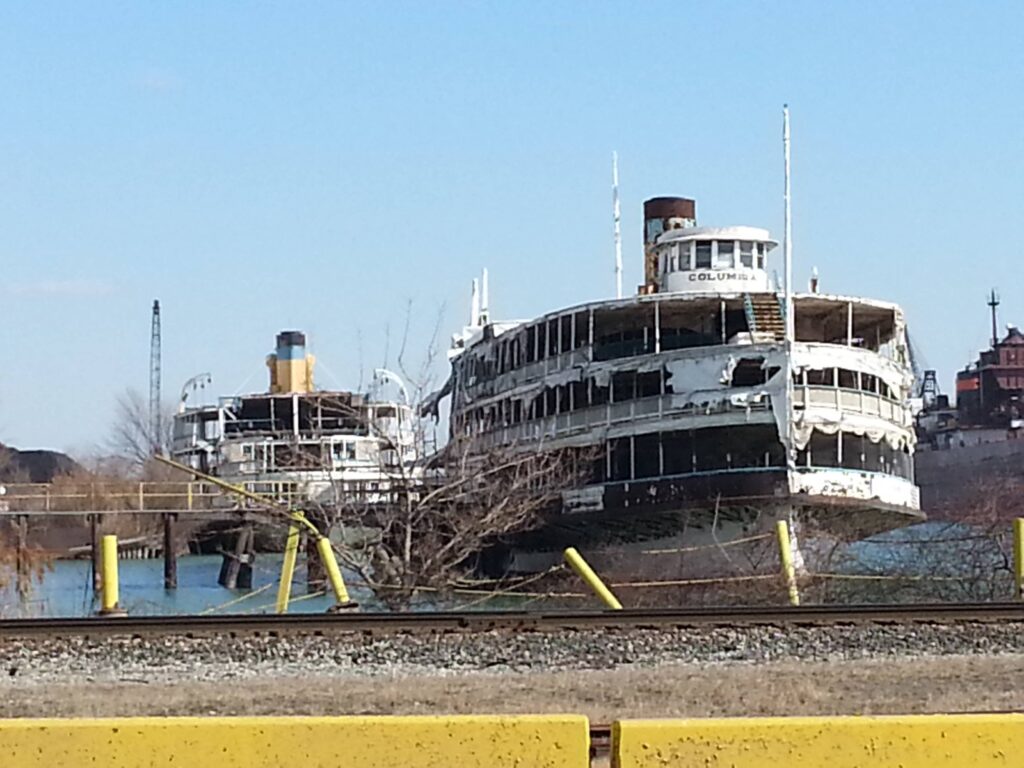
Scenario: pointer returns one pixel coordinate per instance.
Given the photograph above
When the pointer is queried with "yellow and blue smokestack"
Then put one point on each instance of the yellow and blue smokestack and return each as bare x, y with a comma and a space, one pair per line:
291, 368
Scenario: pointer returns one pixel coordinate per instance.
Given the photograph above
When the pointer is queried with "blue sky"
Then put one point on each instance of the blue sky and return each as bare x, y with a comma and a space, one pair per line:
318, 165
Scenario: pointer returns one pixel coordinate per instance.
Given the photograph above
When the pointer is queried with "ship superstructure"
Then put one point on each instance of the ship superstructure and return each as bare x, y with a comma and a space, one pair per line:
328, 446
697, 408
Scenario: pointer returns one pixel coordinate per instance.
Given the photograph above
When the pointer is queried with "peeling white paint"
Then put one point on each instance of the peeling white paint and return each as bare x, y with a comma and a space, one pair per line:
866, 486
821, 357
699, 391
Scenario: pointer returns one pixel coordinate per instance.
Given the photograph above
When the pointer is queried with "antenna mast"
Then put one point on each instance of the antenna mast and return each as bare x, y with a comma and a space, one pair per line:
788, 235
485, 308
993, 302
155, 425
618, 233
474, 306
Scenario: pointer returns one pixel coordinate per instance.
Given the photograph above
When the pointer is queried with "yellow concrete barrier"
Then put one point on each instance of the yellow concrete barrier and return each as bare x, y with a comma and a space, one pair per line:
920, 741
555, 741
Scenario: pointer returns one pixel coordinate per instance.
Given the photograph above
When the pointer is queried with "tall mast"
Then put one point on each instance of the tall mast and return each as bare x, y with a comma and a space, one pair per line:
618, 233
155, 425
788, 251
485, 311
993, 302
788, 234
474, 305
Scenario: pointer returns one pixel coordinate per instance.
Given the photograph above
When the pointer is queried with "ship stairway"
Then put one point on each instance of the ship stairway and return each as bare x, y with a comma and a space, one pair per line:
765, 314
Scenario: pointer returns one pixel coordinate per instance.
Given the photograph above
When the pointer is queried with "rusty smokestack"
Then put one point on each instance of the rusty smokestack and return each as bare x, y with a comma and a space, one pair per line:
660, 215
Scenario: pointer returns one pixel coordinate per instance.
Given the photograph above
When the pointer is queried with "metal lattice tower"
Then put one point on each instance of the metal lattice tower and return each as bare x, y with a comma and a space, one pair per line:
155, 425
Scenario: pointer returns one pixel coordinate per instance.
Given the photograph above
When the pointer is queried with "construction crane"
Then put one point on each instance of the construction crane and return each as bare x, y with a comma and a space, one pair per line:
155, 421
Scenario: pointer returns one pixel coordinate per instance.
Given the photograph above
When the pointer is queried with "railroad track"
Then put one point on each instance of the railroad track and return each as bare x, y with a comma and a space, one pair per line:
483, 621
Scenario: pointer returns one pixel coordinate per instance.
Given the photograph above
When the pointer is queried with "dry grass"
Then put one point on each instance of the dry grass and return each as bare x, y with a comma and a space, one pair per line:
906, 686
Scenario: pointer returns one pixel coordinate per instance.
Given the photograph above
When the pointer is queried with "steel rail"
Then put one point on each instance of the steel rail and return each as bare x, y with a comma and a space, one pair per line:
483, 621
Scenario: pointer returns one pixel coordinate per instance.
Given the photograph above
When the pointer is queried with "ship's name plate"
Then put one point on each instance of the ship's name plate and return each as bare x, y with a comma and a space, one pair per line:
718, 280
697, 277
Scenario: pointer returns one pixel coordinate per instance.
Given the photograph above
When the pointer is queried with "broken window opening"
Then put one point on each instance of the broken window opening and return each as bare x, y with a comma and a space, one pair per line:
749, 372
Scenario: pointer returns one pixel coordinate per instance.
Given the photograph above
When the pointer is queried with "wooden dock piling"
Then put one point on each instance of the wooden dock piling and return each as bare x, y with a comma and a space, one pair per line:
94, 550
236, 570
170, 553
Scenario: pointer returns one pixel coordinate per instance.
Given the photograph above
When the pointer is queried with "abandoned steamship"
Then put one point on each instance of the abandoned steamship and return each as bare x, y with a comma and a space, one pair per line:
710, 424
300, 443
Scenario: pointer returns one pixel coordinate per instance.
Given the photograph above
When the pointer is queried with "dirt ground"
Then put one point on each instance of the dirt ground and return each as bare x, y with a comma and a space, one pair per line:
905, 686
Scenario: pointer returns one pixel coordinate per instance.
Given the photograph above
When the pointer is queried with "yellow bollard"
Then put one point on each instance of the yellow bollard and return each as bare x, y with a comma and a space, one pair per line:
323, 546
1018, 555
291, 551
585, 572
786, 556
110, 597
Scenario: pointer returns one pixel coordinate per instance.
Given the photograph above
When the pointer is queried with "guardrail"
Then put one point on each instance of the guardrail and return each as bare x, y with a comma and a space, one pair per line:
81, 498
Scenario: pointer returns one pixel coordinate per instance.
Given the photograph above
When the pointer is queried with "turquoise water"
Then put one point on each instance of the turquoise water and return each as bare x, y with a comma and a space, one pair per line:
66, 590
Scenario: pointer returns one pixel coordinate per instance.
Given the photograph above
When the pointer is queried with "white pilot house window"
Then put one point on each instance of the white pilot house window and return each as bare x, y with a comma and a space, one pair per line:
723, 256
703, 256
747, 254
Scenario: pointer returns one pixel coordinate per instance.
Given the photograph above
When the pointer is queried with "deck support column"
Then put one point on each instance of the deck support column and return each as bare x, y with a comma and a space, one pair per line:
657, 328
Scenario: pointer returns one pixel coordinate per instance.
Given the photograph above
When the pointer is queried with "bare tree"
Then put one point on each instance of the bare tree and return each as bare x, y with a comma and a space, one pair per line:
430, 513
132, 435
431, 528
19, 562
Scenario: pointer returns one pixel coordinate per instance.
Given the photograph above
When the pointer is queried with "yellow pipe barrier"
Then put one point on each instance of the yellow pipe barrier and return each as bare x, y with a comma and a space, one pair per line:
1018, 555
786, 556
323, 546
585, 572
110, 596
291, 551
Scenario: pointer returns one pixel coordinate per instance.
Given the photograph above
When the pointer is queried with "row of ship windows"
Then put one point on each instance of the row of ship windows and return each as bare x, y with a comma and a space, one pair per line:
844, 378
752, 446
280, 456
624, 386
715, 254
617, 335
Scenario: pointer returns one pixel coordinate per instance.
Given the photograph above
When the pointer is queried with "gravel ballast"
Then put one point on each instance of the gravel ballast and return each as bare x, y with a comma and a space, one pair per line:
212, 658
